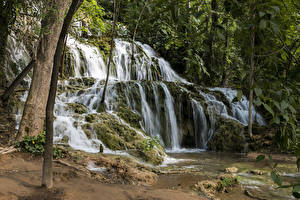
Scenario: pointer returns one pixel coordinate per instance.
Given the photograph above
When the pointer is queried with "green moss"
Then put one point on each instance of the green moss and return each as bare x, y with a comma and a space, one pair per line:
77, 108
228, 136
91, 118
130, 117
118, 136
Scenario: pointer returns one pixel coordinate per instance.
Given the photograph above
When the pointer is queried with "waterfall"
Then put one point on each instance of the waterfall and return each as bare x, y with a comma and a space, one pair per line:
170, 115
171, 109
240, 109
200, 124
146, 113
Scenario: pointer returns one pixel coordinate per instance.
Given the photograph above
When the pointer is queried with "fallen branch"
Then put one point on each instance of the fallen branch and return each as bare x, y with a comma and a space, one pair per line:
72, 166
7, 150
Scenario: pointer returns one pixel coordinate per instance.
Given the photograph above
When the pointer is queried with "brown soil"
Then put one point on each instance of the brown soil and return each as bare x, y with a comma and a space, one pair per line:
20, 178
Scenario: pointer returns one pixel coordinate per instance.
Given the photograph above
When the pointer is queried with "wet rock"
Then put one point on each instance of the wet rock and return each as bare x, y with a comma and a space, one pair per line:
255, 194
118, 136
228, 137
77, 108
210, 188
231, 170
134, 119
256, 172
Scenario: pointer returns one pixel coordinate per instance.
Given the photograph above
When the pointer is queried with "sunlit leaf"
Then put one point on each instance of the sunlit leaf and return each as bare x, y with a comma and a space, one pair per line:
258, 91
262, 24
269, 109
276, 178
260, 158
239, 95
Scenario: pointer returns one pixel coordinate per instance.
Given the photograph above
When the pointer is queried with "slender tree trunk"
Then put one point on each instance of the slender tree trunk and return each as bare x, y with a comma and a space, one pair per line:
214, 23
135, 31
102, 102
32, 122
47, 178
17, 81
225, 68
252, 71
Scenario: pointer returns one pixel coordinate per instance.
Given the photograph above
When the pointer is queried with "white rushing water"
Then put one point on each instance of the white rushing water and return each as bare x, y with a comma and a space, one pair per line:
171, 118
240, 109
142, 82
134, 63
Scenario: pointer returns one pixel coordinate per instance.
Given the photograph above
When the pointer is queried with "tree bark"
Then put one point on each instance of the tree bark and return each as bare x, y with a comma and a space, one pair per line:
32, 122
252, 70
102, 102
224, 81
17, 81
135, 30
47, 178
214, 23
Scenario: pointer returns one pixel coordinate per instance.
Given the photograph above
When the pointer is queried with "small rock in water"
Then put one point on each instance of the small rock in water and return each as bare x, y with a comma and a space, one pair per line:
101, 148
231, 170
256, 172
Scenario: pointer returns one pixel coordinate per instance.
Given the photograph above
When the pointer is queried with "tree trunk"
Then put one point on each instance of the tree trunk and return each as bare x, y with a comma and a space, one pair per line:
252, 70
135, 30
224, 81
17, 81
47, 178
32, 122
214, 23
102, 102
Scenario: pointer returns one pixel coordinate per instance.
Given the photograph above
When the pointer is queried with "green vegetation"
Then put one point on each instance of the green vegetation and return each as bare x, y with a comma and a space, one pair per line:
35, 145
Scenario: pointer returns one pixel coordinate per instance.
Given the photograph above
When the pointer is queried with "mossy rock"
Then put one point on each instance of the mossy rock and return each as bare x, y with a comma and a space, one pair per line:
77, 108
91, 118
130, 117
83, 82
151, 156
117, 136
228, 136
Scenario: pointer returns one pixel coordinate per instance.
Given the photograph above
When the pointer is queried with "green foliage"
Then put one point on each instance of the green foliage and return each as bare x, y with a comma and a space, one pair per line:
260, 158
32, 144
91, 15
149, 143
35, 145
276, 178
226, 182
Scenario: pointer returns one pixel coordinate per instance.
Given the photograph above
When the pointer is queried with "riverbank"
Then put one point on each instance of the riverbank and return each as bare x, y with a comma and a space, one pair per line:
96, 176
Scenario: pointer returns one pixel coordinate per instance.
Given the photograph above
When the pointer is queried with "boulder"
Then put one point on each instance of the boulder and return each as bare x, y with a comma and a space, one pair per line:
228, 136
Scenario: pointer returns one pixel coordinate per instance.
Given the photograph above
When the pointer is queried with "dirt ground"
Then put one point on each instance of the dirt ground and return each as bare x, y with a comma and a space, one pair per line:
20, 178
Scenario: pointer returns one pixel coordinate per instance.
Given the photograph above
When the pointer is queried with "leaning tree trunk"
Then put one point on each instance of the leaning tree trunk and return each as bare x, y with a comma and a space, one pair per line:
9, 91
252, 70
102, 102
47, 178
32, 122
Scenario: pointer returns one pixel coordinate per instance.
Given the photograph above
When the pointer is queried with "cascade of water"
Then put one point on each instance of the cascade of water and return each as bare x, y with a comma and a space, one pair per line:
93, 65
170, 115
147, 113
200, 125
145, 65
240, 109
127, 81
